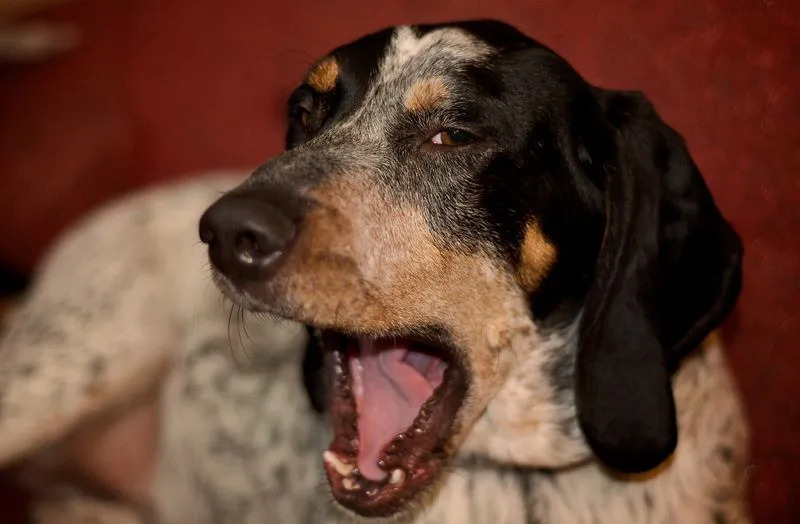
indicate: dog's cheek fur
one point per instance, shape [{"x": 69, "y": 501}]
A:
[{"x": 536, "y": 190}]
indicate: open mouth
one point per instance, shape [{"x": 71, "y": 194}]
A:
[{"x": 393, "y": 403}]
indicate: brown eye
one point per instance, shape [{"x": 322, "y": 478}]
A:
[
  {"x": 301, "y": 104},
  {"x": 452, "y": 137},
  {"x": 301, "y": 114}
]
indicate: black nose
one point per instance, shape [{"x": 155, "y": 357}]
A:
[{"x": 246, "y": 234}]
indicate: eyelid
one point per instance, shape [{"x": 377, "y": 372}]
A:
[
  {"x": 307, "y": 104},
  {"x": 303, "y": 99},
  {"x": 435, "y": 125}
]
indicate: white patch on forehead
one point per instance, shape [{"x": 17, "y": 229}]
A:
[
  {"x": 409, "y": 58},
  {"x": 407, "y": 46}
]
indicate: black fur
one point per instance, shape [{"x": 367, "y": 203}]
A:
[{"x": 668, "y": 272}]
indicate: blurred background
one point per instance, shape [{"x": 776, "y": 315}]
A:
[{"x": 100, "y": 97}]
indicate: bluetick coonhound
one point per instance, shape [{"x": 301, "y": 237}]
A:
[{"x": 476, "y": 289}]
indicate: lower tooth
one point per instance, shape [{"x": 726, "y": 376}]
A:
[
  {"x": 340, "y": 467},
  {"x": 349, "y": 484},
  {"x": 397, "y": 476}
]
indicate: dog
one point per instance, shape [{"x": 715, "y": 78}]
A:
[{"x": 475, "y": 287}]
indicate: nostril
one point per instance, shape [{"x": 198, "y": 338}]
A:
[
  {"x": 246, "y": 234},
  {"x": 249, "y": 249}
]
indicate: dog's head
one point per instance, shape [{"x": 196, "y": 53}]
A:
[{"x": 494, "y": 255}]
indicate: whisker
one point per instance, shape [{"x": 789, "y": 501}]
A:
[
  {"x": 230, "y": 338},
  {"x": 239, "y": 324},
  {"x": 244, "y": 325}
]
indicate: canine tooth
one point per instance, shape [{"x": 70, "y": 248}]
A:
[
  {"x": 398, "y": 475},
  {"x": 341, "y": 468},
  {"x": 349, "y": 484}
]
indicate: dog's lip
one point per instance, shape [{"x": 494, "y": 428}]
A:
[
  {"x": 413, "y": 459},
  {"x": 237, "y": 293},
  {"x": 249, "y": 296}
]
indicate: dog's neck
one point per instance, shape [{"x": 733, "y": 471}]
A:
[{"x": 532, "y": 420}]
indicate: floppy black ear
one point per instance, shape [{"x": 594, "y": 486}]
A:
[{"x": 668, "y": 272}]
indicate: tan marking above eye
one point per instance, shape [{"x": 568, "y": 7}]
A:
[
  {"x": 323, "y": 75},
  {"x": 537, "y": 256},
  {"x": 425, "y": 95}
]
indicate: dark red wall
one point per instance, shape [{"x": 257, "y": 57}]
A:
[{"x": 162, "y": 87}]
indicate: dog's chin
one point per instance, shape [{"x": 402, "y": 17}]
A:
[{"x": 394, "y": 399}]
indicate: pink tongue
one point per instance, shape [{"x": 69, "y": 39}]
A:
[{"x": 391, "y": 382}]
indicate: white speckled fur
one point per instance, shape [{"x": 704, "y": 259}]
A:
[{"x": 238, "y": 442}]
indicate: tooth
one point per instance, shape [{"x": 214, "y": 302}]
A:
[
  {"x": 398, "y": 475},
  {"x": 341, "y": 468},
  {"x": 349, "y": 484}
]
